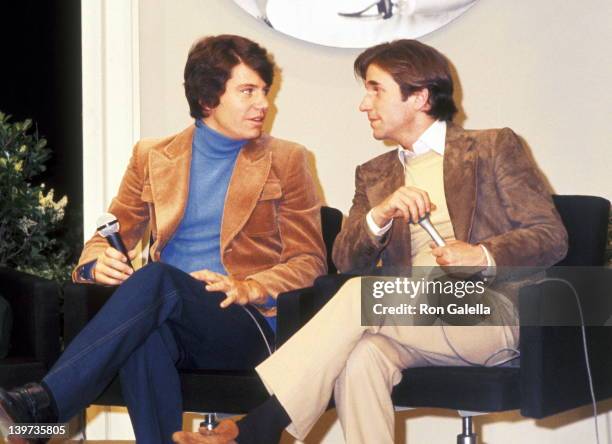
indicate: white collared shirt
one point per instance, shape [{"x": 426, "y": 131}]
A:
[{"x": 433, "y": 138}]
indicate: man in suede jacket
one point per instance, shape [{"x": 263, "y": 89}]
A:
[{"x": 235, "y": 221}]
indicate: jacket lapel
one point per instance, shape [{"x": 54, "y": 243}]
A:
[
  {"x": 169, "y": 177},
  {"x": 248, "y": 178},
  {"x": 391, "y": 177},
  {"x": 460, "y": 175}
]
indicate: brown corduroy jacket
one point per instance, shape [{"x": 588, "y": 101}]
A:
[
  {"x": 271, "y": 227},
  {"x": 494, "y": 195}
]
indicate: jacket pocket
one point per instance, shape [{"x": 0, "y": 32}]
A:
[
  {"x": 271, "y": 190},
  {"x": 263, "y": 220}
]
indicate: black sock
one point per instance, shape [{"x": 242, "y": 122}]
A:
[{"x": 264, "y": 425}]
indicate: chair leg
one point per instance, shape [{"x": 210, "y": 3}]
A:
[
  {"x": 467, "y": 436},
  {"x": 210, "y": 421}
]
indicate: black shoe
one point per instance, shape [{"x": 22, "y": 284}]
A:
[{"x": 28, "y": 404}]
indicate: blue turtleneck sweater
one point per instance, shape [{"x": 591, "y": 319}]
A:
[{"x": 196, "y": 243}]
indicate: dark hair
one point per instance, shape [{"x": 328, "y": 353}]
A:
[
  {"x": 209, "y": 66},
  {"x": 414, "y": 66}
]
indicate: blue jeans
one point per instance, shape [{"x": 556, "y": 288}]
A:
[{"x": 158, "y": 320}]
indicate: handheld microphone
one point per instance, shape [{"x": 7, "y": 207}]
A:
[
  {"x": 426, "y": 224},
  {"x": 108, "y": 228}
]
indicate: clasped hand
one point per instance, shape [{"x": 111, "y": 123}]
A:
[
  {"x": 112, "y": 269},
  {"x": 409, "y": 203},
  {"x": 459, "y": 254},
  {"x": 236, "y": 291}
]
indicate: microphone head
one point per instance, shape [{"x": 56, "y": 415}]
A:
[
  {"x": 426, "y": 224},
  {"x": 424, "y": 221},
  {"x": 107, "y": 225}
]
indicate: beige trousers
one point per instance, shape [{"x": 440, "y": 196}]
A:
[{"x": 361, "y": 364}]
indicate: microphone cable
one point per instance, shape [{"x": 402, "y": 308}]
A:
[
  {"x": 260, "y": 330},
  {"x": 584, "y": 343}
]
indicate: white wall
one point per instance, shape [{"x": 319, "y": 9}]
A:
[
  {"x": 541, "y": 67},
  {"x": 111, "y": 119}
]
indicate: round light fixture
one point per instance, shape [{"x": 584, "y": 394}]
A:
[{"x": 355, "y": 23}]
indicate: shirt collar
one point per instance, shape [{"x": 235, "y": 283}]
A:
[{"x": 433, "y": 138}]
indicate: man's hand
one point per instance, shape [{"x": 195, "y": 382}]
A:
[
  {"x": 112, "y": 268},
  {"x": 239, "y": 292},
  {"x": 409, "y": 203},
  {"x": 459, "y": 254}
]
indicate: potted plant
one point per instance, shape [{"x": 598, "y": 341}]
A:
[{"x": 30, "y": 215}]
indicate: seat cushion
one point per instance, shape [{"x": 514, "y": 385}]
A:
[
  {"x": 223, "y": 391},
  {"x": 16, "y": 371},
  {"x": 462, "y": 388}
]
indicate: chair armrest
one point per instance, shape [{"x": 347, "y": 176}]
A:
[
  {"x": 553, "y": 369},
  {"x": 81, "y": 303},
  {"x": 35, "y": 303},
  {"x": 326, "y": 287},
  {"x": 296, "y": 307}
]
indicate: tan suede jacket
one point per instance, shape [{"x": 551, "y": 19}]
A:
[
  {"x": 494, "y": 195},
  {"x": 271, "y": 227}
]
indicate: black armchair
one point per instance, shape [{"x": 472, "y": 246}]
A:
[
  {"x": 35, "y": 339},
  {"x": 206, "y": 390},
  {"x": 552, "y": 358},
  {"x": 552, "y": 376}
]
